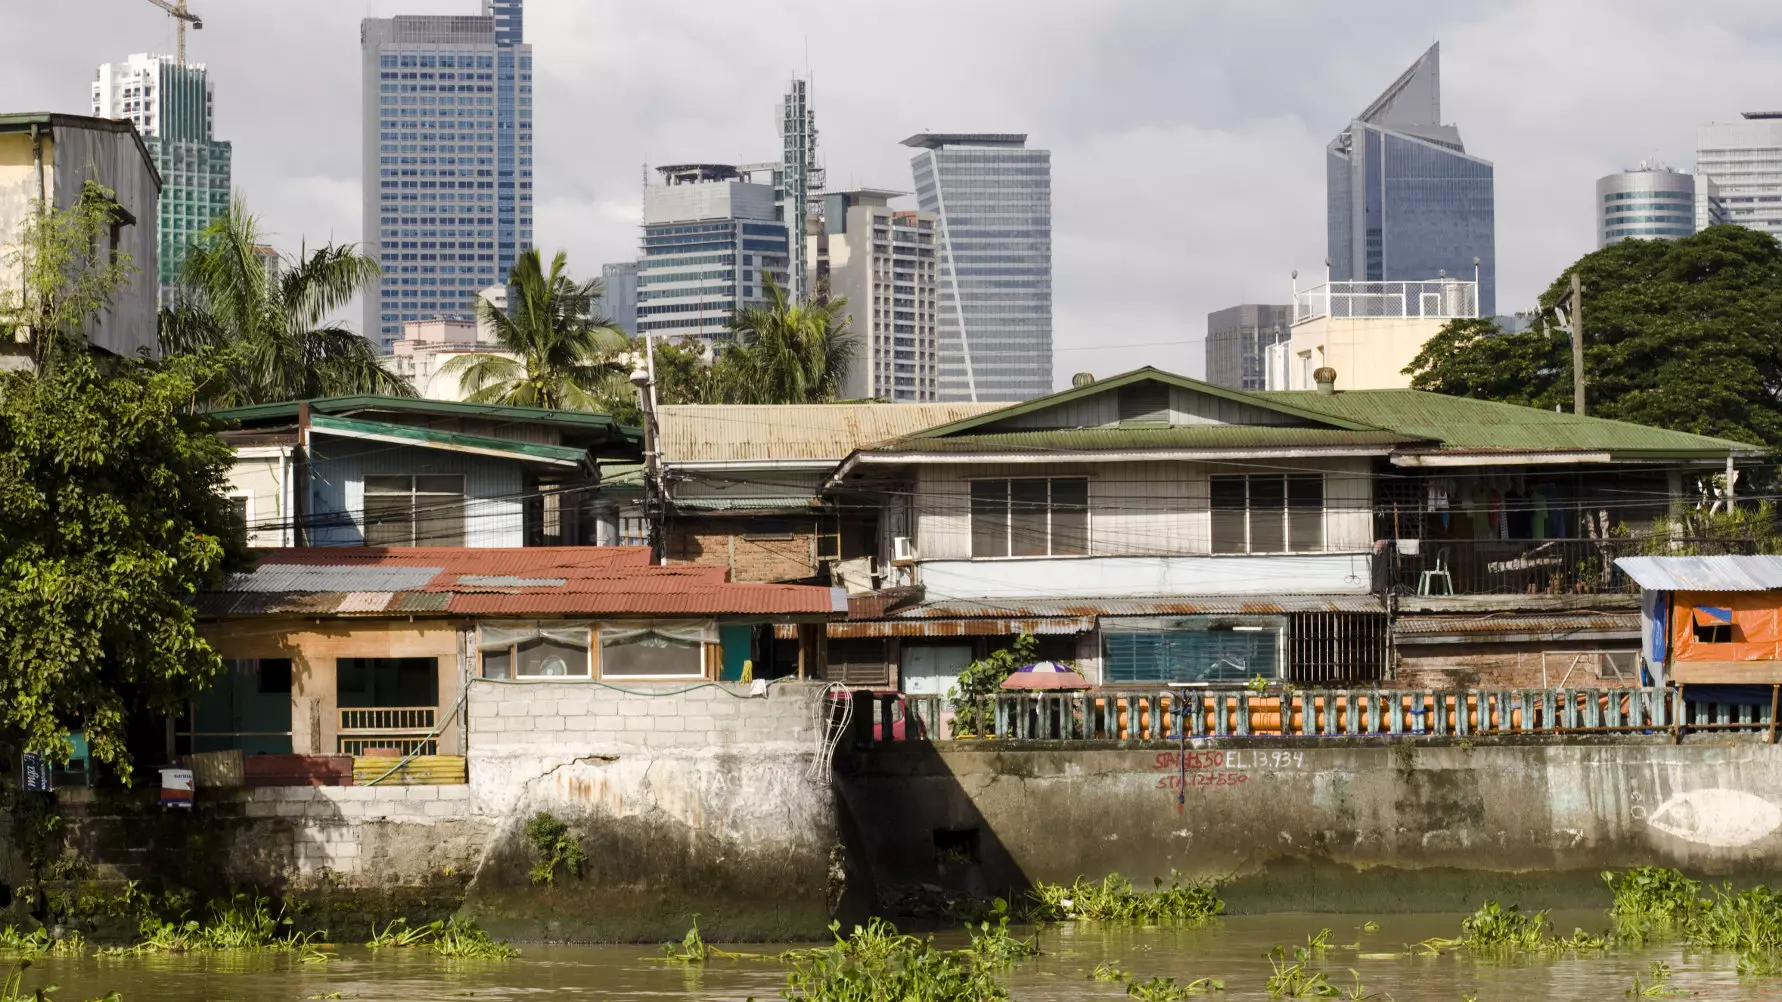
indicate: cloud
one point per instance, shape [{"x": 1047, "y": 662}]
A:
[{"x": 1187, "y": 138}]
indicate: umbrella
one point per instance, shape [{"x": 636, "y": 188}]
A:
[{"x": 1045, "y": 675}]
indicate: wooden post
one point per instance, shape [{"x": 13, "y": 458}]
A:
[
  {"x": 1774, "y": 691},
  {"x": 1577, "y": 345}
]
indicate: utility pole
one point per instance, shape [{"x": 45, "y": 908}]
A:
[{"x": 1571, "y": 305}]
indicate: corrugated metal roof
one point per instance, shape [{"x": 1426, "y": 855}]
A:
[
  {"x": 704, "y": 433},
  {"x": 1200, "y": 436},
  {"x": 1463, "y": 423},
  {"x": 1554, "y": 625},
  {"x": 747, "y": 503},
  {"x": 1724, "y": 573},
  {"x": 605, "y": 581},
  {"x": 451, "y": 441},
  {"x": 1163, "y": 605}
]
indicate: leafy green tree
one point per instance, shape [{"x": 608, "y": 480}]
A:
[
  {"x": 785, "y": 352},
  {"x": 1683, "y": 334},
  {"x": 562, "y": 355},
  {"x": 273, "y": 333},
  {"x": 67, "y": 272},
  {"x": 973, "y": 713}
]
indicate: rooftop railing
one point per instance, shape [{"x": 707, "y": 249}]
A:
[{"x": 1442, "y": 299}]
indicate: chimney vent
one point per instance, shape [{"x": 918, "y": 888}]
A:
[{"x": 1325, "y": 377}]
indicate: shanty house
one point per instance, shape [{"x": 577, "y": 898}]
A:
[
  {"x": 1710, "y": 620},
  {"x": 334, "y": 651}
]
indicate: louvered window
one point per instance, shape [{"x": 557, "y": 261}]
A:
[{"x": 1219, "y": 654}]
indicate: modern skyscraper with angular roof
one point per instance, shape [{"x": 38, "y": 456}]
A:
[{"x": 1406, "y": 201}]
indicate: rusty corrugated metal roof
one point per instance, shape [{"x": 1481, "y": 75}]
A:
[
  {"x": 1163, "y": 605},
  {"x": 1723, "y": 573},
  {"x": 604, "y": 581},
  {"x": 1546, "y": 624},
  {"x": 705, "y": 433}
]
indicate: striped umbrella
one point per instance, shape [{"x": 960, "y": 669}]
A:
[{"x": 1045, "y": 675}]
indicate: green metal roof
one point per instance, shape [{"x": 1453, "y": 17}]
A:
[
  {"x": 422, "y": 405},
  {"x": 1139, "y": 438},
  {"x": 451, "y": 441},
  {"x": 1466, "y": 424},
  {"x": 1146, "y": 374}
]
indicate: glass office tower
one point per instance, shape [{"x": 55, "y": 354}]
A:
[
  {"x": 1406, "y": 201},
  {"x": 992, "y": 198},
  {"x": 1238, "y": 339},
  {"x": 447, "y": 137}
]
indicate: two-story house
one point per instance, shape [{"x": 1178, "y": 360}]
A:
[{"x": 1157, "y": 529}]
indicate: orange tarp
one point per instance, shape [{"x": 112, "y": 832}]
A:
[{"x": 1756, "y": 626}]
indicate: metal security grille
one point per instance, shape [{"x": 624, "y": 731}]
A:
[
  {"x": 1192, "y": 656},
  {"x": 1336, "y": 648}
]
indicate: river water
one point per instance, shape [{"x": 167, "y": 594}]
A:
[{"x": 1232, "y": 949}]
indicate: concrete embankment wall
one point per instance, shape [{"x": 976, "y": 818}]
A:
[{"x": 1316, "y": 826}]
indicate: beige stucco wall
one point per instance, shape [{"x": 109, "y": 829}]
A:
[{"x": 1368, "y": 353}]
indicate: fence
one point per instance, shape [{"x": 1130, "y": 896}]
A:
[
  {"x": 890, "y": 718},
  {"x": 404, "y": 729}
]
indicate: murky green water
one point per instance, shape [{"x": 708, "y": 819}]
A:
[{"x": 1232, "y": 949}]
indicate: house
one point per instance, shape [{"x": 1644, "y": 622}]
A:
[
  {"x": 1710, "y": 620},
  {"x": 334, "y": 651},
  {"x": 47, "y": 159},
  {"x": 1156, "y": 529},
  {"x": 405, "y": 471}
]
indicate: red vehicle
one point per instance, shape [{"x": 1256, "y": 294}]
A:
[{"x": 904, "y": 727}]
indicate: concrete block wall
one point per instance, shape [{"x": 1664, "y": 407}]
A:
[{"x": 345, "y": 830}]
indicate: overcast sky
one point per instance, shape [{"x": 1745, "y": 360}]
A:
[{"x": 1187, "y": 136}]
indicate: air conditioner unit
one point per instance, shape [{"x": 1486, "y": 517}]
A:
[{"x": 903, "y": 550}]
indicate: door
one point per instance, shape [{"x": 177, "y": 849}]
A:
[{"x": 933, "y": 670}]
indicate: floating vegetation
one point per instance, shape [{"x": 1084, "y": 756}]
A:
[
  {"x": 12, "y": 990},
  {"x": 466, "y": 941},
  {"x": 398, "y": 934},
  {"x": 1651, "y": 900},
  {"x": 39, "y": 943},
  {"x": 1115, "y": 900},
  {"x": 1290, "y": 978},
  {"x": 1655, "y": 901},
  {"x": 1108, "y": 971},
  {"x": 553, "y": 846},
  {"x": 1495, "y": 929},
  {"x": 993, "y": 946},
  {"x": 876, "y": 962},
  {"x": 1167, "y": 990},
  {"x": 1658, "y": 984}
]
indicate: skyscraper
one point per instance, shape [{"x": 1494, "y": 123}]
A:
[
  {"x": 1651, "y": 203},
  {"x": 1743, "y": 160},
  {"x": 710, "y": 240},
  {"x": 992, "y": 199},
  {"x": 800, "y": 178},
  {"x": 618, "y": 298},
  {"x": 1238, "y": 339},
  {"x": 173, "y": 108},
  {"x": 1406, "y": 201},
  {"x": 882, "y": 260},
  {"x": 447, "y": 138}
]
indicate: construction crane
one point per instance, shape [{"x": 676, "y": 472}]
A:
[{"x": 177, "y": 10}]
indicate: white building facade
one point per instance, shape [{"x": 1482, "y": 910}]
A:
[
  {"x": 882, "y": 260},
  {"x": 1744, "y": 161}
]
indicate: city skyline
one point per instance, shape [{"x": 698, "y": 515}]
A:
[{"x": 1540, "y": 108}]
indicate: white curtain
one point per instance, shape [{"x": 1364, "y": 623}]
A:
[{"x": 571, "y": 632}]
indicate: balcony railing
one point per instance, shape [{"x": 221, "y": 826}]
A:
[
  {"x": 1171, "y": 716},
  {"x": 405, "y": 729},
  {"x": 1441, "y": 299},
  {"x": 1432, "y": 567}
]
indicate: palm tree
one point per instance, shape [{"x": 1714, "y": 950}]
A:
[
  {"x": 273, "y": 331},
  {"x": 562, "y": 356},
  {"x": 786, "y": 353}
]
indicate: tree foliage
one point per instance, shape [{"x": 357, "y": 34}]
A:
[
  {"x": 272, "y": 334},
  {"x": 563, "y": 356},
  {"x": 983, "y": 678},
  {"x": 1683, "y": 334},
  {"x": 68, "y": 271},
  {"x": 112, "y": 518},
  {"x": 785, "y": 352}
]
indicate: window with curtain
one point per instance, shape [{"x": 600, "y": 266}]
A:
[
  {"x": 1268, "y": 513},
  {"x": 655, "y": 649},
  {"x": 535, "y": 650},
  {"x": 420, "y": 510},
  {"x": 1030, "y": 517}
]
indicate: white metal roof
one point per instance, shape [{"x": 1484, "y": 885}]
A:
[{"x": 1760, "y": 573}]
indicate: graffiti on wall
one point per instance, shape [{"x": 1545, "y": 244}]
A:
[
  {"x": 1220, "y": 767},
  {"x": 1715, "y": 817}
]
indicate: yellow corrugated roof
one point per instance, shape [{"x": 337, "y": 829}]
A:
[{"x": 693, "y": 433}]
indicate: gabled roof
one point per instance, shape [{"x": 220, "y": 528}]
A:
[
  {"x": 821, "y": 434},
  {"x": 610, "y": 581},
  {"x": 448, "y": 441},
  {"x": 1176, "y": 437},
  {"x": 567, "y": 419}
]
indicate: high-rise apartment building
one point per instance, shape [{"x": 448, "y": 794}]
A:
[
  {"x": 447, "y": 136},
  {"x": 882, "y": 260},
  {"x": 173, "y": 109},
  {"x": 1649, "y": 203},
  {"x": 1744, "y": 161},
  {"x": 1238, "y": 339},
  {"x": 801, "y": 179},
  {"x": 710, "y": 239},
  {"x": 1406, "y": 201},
  {"x": 992, "y": 199},
  {"x": 618, "y": 297}
]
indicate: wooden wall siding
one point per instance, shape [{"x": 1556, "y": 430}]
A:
[
  {"x": 1141, "y": 509},
  {"x": 494, "y": 514},
  {"x": 1187, "y": 407}
]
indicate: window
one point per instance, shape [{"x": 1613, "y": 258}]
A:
[
  {"x": 654, "y": 650},
  {"x": 1712, "y": 624},
  {"x": 242, "y": 505},
  {"x": 424, "y": 510},
  {"x": 538, "y": 650},
  {"x": 1030, "y": 517},
  {"x": 1191, "y": 652},
  {"x": 1266, "y": 513}
]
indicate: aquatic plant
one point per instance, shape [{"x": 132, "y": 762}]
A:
[
  {"x": 398, "y": 934},
  {"x": 1108, "y": 971},
  {"x": 39, "y": 943},
  {"x": 875, "y": 963},
  {"x": 1167, "y": 990},
  {"x": 1651, "y": 899},
  {"x": 553, "y": 846},
  {"x": 465, "y": 941},
  {"x": 11, "y": 990},
  {"x": 1115, "y": 900},
  {"x": 1495, "y": 928},
  {"x": 1294, "y": 980},
  {"x": 1658, "y": 987},
  {"x": 246, "y": 922},
  {"x": 991, "y": 943}
]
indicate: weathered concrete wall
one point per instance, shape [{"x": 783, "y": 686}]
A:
[
  {"x": 1317, "y": 826},
  {"x": 685, "y": 800}
]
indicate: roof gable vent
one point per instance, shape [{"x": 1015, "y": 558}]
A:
[{"x": 1144, "y": 403}]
